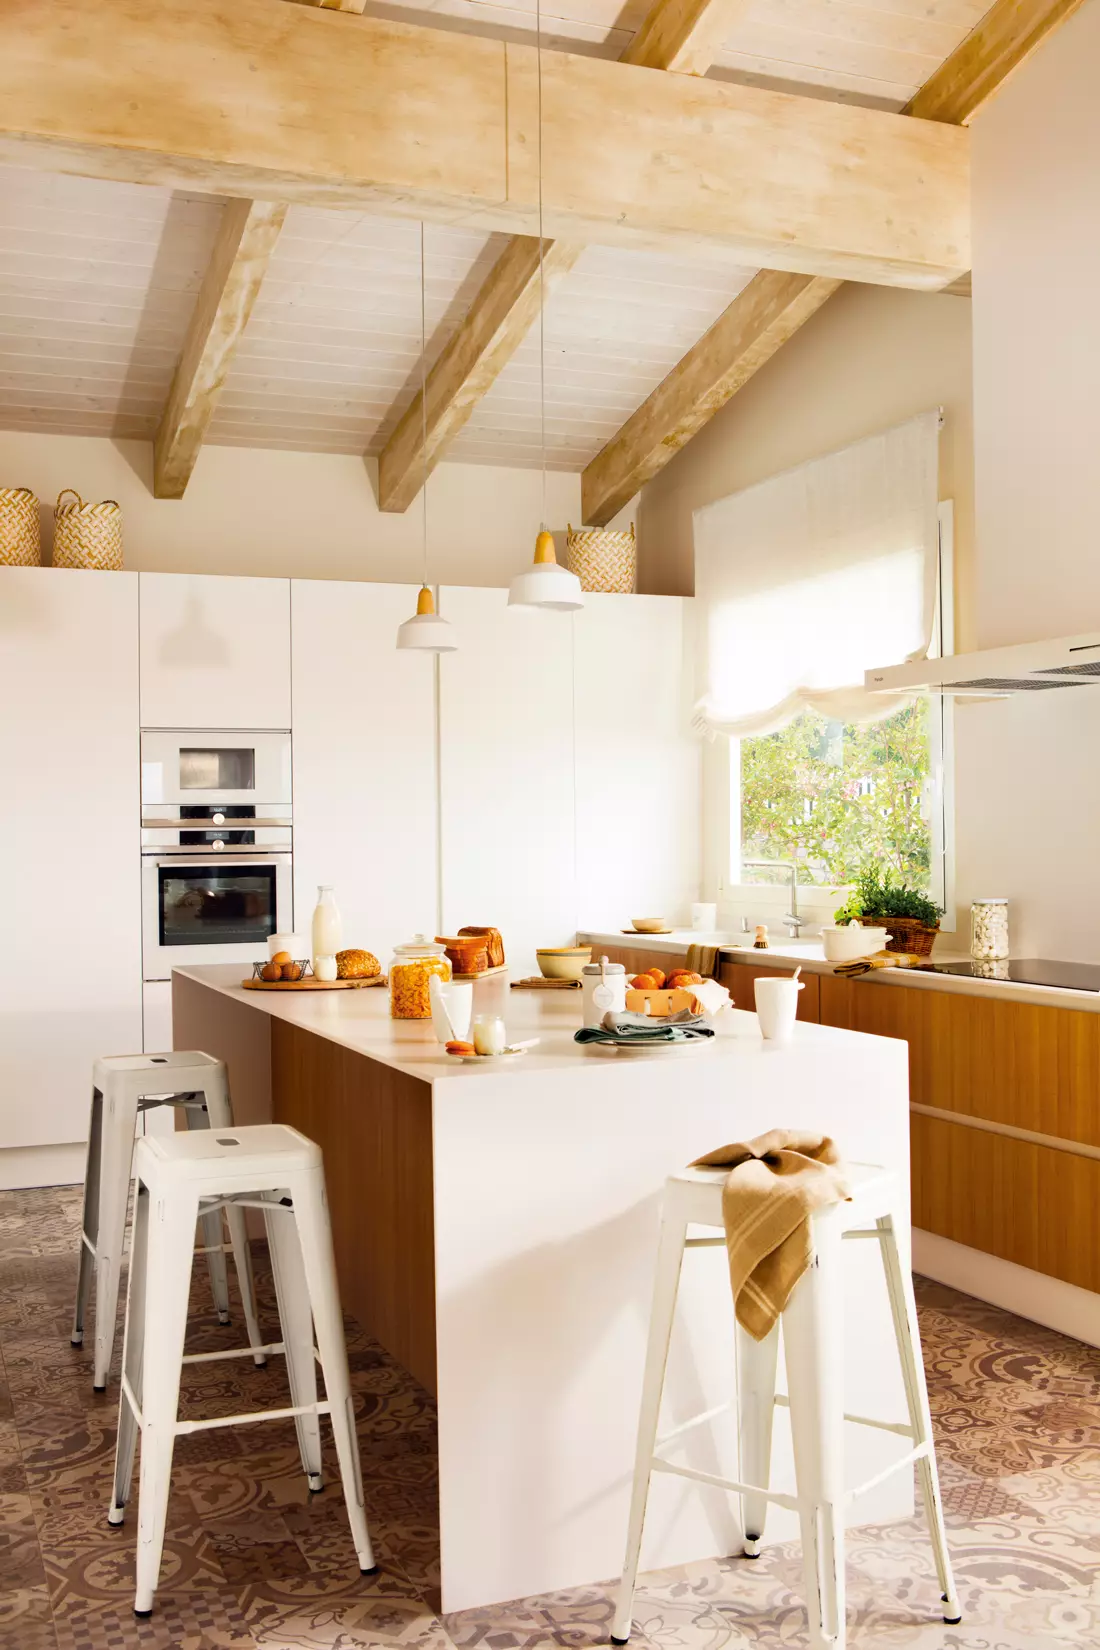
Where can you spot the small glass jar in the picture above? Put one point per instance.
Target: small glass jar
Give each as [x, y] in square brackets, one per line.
[989, 930]
[490, 1037]
[410, 973]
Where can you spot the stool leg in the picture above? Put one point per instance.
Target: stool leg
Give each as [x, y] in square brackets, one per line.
[903, 1308]
[213, 1233]
[133, 1351]
[89, 1225]
[311, 1220]
[756, 1363]
[666, 1285]
[813, 1339]
[116, 1151]
[219, 1115]
[296, 1321]
[168, 1280]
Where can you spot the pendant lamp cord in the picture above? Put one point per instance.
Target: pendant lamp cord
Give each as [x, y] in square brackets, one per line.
[542, 276]
[424, 400]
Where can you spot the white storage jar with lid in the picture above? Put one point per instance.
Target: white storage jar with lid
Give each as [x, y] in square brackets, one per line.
[603, 990]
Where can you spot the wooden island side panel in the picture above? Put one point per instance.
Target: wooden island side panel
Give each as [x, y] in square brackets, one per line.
[374, 1126]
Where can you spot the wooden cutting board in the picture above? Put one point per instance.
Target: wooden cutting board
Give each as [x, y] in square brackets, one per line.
[310, 984]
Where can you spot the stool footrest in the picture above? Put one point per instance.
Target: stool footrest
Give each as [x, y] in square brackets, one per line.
[901, 1428]
[235, 1352]
[696, 1421]
[735, 1487]
[321, 1407]
[909, 1459]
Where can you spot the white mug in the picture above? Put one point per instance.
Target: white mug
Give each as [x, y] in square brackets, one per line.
[704, 918]
[777, 1007]
[453, 1003]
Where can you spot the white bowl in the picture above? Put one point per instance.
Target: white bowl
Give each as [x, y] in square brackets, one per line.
[853, 941]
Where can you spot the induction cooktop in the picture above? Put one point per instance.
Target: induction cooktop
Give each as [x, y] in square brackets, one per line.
[1065, 976]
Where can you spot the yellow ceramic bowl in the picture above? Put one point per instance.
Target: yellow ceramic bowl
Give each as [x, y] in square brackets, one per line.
[649, 925]
[563, 962]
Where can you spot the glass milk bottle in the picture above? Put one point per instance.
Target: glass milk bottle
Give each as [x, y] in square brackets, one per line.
[328, 930]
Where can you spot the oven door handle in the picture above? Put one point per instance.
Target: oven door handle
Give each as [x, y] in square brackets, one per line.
[225, 856]
[227, 823]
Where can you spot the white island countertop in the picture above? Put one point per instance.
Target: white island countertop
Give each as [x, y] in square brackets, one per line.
[531, 1189]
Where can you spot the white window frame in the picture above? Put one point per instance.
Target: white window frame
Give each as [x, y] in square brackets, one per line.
[816, 902]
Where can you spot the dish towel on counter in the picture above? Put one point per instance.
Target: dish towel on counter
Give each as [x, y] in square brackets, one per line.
[774, 1185]
[625, 1027]
[704, 960]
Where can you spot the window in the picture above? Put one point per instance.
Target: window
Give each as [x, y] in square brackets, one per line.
[828, 796]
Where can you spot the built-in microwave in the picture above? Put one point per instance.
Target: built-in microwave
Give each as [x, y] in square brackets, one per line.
[216, 846]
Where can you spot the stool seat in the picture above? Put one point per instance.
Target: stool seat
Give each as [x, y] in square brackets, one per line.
[124, 1087]
[262, 1151]
[177, 1180]
[812, 1327]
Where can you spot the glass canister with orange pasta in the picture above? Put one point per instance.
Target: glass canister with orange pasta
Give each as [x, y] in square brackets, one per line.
[410, 974]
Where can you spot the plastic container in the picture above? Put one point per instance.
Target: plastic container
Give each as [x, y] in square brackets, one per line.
[410, 977]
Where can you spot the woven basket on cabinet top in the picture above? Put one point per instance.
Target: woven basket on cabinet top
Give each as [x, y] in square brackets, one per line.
[87, 535]
[19, 540]
[603, 559]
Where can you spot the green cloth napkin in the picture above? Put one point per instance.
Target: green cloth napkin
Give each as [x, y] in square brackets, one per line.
[643, 1028]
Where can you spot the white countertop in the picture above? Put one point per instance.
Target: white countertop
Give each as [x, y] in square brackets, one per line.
[360, 1020]
[809, 955]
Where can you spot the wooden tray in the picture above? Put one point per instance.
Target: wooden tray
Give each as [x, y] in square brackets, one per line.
[482, 974]
[310, 984]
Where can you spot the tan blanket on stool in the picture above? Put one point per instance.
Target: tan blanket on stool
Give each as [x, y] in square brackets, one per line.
[774, 1185]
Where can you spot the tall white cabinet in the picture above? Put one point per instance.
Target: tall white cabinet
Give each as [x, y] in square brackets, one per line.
[639, 768]
[215, 652]
[364, 763]
[70, 953]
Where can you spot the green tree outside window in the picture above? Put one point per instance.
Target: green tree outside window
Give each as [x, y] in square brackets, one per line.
[835, 797]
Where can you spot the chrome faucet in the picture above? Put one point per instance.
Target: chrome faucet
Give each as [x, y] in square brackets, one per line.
[792, 922]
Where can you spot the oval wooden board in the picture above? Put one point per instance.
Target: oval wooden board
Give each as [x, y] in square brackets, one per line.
[310, 984]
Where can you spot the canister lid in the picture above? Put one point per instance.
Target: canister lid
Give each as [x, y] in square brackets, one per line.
[419, 946]
[996, 900]
[596, 969]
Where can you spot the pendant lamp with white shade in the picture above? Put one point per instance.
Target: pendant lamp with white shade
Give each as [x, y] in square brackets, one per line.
[427, 631]
[545, 583]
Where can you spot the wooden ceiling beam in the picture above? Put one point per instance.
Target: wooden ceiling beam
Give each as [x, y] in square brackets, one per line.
[758, 322]
[727, 356]
[245, 242]
[240, 97]
[674, 35]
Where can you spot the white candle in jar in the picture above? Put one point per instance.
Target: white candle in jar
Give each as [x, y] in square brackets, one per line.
[490, 1036]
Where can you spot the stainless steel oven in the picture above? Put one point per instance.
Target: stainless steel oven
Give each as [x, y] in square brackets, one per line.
[216, 847]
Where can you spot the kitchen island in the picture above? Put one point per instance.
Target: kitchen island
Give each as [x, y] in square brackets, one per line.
[495, 1230]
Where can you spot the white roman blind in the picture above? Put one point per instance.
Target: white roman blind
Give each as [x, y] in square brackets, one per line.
[807, 580]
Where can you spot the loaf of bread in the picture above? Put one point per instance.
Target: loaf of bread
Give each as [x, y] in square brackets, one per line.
[356, 965]
[494, 945]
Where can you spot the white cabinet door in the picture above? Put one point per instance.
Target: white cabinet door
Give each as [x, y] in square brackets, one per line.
[215, 652]
[639, 767]
[70, 949]
[506, 773]
[364, 763]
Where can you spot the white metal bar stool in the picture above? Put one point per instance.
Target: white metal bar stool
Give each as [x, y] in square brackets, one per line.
[123, 1086]
[178, 1178]
[813, 1335]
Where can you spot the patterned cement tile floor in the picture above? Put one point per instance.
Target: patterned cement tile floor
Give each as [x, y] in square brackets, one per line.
[253, 1561]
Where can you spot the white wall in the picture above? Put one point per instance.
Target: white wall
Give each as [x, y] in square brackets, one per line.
[1028, 786]
[251, 510]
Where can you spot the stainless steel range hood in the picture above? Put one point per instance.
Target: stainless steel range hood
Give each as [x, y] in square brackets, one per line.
[1031, 667]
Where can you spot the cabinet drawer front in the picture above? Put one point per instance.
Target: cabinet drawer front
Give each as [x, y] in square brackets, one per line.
[1029, 1204]
[1030, 1067]
[740, 980]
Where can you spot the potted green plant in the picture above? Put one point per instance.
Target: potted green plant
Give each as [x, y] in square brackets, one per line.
[880, 898]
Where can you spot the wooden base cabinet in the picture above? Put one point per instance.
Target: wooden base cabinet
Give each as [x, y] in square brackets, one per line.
[740, 981]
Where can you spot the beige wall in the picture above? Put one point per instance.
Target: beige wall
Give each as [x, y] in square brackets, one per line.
[870, 358]
[253, 511]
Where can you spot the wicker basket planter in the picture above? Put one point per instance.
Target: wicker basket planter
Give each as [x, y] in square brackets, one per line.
[906, 934]
[603, 559]
[19, 538]
[87, 535]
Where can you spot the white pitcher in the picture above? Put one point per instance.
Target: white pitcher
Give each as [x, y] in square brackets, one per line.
[453, 1002]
